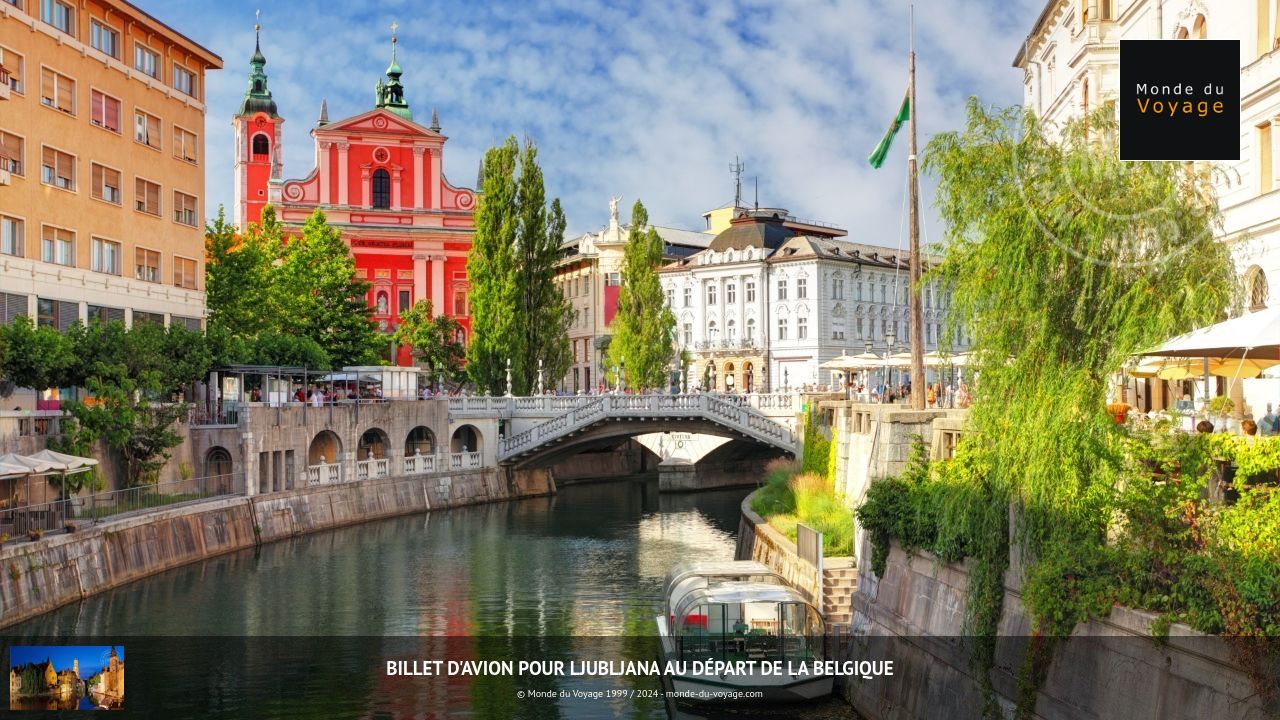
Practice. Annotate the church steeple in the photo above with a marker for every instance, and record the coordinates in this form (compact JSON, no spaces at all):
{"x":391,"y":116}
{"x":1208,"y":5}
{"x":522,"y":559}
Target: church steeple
{"x":390,"y":95}
{"x":257,"y":98}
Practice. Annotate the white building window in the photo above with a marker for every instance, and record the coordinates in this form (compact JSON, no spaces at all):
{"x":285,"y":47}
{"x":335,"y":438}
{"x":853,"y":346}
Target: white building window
{"x":104,"y":256}
{"x":751,"y":291}
{"x":802,"y":288}
{"x":688,"y":297}
{"x":802,"y":328}
{"x":782,"y":328}
{"x":730,"y":294}
{"x":782,"y":289}
{"x":711,"y":294}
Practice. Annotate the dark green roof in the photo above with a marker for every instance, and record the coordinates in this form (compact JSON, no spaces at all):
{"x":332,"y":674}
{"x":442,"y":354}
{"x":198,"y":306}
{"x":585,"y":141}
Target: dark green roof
{"x":257,"y":97}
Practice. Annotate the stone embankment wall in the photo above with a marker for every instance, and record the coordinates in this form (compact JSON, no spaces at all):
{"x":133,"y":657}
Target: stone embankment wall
{"x":757,"y":540}
{"x":1110,"y":668}
{"x":64,"y":567}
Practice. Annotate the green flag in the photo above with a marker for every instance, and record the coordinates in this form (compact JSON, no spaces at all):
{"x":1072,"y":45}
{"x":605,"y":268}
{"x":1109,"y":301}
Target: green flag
{"x":904,"y":114}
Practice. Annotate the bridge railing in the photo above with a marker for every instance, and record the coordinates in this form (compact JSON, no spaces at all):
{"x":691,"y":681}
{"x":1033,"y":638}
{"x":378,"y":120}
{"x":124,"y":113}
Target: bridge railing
{"x":734,"y":412}
{"x":550,"y":405}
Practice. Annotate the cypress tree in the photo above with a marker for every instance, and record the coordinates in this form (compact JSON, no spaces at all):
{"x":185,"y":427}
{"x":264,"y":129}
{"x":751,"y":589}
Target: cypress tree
{"x":489,"y":271}
{"x":643,"y":326}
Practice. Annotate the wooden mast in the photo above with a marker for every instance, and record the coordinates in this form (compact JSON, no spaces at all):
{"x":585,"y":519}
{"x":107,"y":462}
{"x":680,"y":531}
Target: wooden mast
{"x":917,"y":319}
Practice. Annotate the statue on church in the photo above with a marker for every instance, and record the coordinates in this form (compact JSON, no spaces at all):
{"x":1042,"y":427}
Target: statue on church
{"x":613,"y":210}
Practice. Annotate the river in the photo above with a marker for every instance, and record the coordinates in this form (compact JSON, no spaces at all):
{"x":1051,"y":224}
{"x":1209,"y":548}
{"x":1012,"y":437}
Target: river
{"x":304,"y":628}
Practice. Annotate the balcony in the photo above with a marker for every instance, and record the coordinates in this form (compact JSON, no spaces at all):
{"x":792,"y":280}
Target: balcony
{"x":739,"y":345}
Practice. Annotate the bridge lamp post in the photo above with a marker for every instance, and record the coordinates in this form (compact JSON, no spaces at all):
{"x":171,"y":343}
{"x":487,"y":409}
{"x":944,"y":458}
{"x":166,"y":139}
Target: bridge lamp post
{"x":786,"y":380}
{"x":539,"y":376}
{"x":890,"y":339}
{"x":508,"y":377}
{"x":675,"y":374}
{"x":622,"y":371}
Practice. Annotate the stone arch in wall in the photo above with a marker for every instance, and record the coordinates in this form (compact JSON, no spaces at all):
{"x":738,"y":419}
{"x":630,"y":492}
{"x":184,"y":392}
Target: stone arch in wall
{"x":325,"y":448}
{"x":374,"y":445}
{"x":466,"y":439}
{"x":420,"y":440}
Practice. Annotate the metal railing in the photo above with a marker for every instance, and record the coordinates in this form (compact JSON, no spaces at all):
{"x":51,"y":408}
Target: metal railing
{"x":95,"y":507}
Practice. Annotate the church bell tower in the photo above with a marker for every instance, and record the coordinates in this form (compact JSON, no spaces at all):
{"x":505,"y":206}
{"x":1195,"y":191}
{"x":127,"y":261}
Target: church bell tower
{"x":258,"y":135}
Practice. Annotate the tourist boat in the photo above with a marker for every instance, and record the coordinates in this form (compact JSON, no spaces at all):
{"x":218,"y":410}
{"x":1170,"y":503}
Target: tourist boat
{"x":735,"y":616}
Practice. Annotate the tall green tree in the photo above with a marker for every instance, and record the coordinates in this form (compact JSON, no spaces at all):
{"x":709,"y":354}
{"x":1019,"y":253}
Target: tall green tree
{"x":141,"y":432}
{"x":317,"y":294}
{"x":643,"y":325}
{"x":434,"y":340}
{"x":35,"y":357}
{"x":239,"y":274}
{"x":517,"y":313}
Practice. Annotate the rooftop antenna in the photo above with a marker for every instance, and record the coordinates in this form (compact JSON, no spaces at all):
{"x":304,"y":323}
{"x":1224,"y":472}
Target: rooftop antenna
{"x":736,"y":168}
{"x":757,"y":182}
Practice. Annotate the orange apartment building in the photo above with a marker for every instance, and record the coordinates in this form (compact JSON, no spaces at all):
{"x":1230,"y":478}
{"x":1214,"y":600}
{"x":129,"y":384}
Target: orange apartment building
{"x":101,"y":165}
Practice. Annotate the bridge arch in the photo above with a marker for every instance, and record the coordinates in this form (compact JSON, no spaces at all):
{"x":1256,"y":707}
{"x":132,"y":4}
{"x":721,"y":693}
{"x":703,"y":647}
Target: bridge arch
{"x":466,"y":438}
{"x":326,"y":447}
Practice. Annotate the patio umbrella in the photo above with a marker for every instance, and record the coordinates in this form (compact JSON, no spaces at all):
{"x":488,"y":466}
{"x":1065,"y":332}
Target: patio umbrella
{"x":861,"y":361}
{"x":1254,"y":335}
{"x":897,"y":360}
{"x":1240,"y":367}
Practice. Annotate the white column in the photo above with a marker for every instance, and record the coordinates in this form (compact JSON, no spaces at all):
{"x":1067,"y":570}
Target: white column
{"x":395,"y":189}
{"x":437,"y":182}
{"x":324,"y":172}
{"x":343,"y":179}
{"x":419,"y":277}
{"x":419,"y":177}
{"x":365,"y":189}
{"x":437,"y":284}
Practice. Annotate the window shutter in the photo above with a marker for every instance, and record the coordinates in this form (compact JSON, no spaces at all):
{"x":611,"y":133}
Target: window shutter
{"x":68,"y":313}
{"x":66,"y":94}
{"x":11,"y":306}
{"x":97,"y":107}
{"x":98,"y":176}
{"x":49,"y":158}
{"x":114,"y":314}
{"x":47,"y":87}
{"x":112,"y":108}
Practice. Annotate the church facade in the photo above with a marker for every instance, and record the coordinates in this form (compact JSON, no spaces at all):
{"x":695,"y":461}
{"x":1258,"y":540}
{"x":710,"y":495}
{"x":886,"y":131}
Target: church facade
{"x":379,"y":179}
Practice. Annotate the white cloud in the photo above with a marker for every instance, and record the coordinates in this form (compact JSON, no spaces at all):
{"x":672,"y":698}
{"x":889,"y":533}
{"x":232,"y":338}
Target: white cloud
{"x":650,"y":100}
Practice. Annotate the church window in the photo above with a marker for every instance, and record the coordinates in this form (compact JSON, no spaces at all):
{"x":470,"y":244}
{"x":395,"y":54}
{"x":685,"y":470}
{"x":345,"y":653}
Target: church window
{"x":381,"y":188}
{"x":261,"y":146}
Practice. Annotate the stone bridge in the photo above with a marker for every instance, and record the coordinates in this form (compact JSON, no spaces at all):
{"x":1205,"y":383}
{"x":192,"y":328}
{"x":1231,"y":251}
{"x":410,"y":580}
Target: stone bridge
{"x":581,"y":422}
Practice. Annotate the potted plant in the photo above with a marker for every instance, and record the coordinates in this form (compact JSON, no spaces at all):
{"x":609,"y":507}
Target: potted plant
{"x":1221,"y":407}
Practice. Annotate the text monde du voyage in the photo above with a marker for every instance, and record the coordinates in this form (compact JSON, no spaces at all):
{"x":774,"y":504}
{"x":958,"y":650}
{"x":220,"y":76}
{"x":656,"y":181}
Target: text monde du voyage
{"x":1177,"y":99}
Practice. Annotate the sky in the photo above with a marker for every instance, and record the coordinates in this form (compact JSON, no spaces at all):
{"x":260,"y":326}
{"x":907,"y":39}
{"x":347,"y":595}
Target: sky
{"x":92,"y":657}
{"x":648,"y":99}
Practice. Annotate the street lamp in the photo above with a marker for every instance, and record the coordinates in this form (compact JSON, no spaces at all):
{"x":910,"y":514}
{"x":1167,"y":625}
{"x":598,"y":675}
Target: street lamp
{"x":508,"y":377}
{"x":539,"y":376}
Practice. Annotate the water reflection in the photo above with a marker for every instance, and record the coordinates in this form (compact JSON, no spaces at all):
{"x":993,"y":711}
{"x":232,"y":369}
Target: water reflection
{"x":302,"y":628}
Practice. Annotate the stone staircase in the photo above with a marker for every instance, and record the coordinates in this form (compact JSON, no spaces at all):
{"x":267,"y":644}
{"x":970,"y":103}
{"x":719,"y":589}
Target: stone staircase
{"x":839,"y":580}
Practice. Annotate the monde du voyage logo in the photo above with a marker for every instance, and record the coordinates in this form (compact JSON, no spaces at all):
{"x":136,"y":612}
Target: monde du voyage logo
{"x":1179,"y":99}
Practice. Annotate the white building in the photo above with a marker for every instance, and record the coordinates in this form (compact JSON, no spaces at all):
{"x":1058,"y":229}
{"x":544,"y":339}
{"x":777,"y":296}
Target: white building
{"x":1071,"y":64}
{"x":772,"y":298}
{"x":589,"y":273}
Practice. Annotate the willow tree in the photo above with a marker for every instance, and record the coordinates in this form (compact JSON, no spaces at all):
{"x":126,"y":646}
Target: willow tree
{"x":1063,"y":262}
{"x":643,"y":324}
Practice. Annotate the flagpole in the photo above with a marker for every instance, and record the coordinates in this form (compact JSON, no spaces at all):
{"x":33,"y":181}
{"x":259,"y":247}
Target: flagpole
{"x":917,"y":320}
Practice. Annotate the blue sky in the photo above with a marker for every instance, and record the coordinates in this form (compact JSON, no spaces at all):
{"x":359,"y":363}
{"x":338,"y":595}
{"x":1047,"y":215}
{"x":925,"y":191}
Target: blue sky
{"x":92,"y":657}
{"x":645,"y":99}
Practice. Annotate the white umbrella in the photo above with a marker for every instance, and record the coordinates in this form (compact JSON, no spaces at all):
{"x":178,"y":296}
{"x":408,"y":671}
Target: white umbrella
{"x":65,"y":463}
{"x":896,"y":360}
{"x":854,"y":362}
{"x":1254,"y":335}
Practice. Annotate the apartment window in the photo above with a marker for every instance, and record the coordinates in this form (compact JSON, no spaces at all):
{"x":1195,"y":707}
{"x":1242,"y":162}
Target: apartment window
{"x":751,"y":330}
{"x":104,"y":38}
{"x":184,"y":272}
{"x":147,"y":197}
{"x":59,"y":15}
{"x":381,"y":188}
{"x":460,"y":302}
{"x":782,"y":328}
{"x":184,"y":144}
{"x":11,"y":147}
{"x":688,"y":297}
{"x":57,"y":246}
{"x":711,"y":294}
{"x":57,"y":314}
{"x":751,"y":291}
{"x":104,"y":111}
{"x":146,"y":265}
{"x":106,"y":183}
{"x":613,"y":279}
{"x":16,"y":65}
{"x":1266,"y":177}
{"x":184,"y":81}
{"x":146,"y":317}
{"x":837,"y":288}
{"x":104,"y":256}
{"x":57,"y":91}
{"x":688,"y":333}
{"x":802,"y":328}
{"x":146,"y":61}
{"x":103,"y":314}
{"x":671,"y":297}
{"x":184,"y":208}
{"x":146,"y":128}
{"x":802,"y":288}
{"x":782,"y":289}
{"x":730,"y":294}
{"x":10,"y":236}
{"x":861,"y":328}
{"x":58,"y":169}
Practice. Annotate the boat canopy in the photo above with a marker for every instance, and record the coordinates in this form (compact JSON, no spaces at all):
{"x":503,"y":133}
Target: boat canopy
{"x":694,"y":574}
